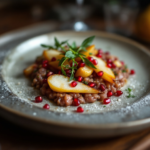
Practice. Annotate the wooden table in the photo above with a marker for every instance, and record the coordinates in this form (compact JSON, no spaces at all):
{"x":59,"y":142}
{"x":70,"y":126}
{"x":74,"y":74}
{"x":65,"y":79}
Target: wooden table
{"x":13,"y":137}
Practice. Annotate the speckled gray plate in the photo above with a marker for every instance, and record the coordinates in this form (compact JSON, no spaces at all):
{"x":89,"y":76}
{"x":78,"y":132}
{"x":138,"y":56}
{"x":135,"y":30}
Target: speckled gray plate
{"x":19,"y":49}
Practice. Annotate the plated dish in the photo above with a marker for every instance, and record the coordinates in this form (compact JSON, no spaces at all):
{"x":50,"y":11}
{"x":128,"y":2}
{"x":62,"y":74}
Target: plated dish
{"x":17,"y":96}
{"x":71,"y":75}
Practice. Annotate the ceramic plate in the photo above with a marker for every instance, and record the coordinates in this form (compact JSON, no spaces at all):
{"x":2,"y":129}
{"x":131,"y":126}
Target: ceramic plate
{"x":124,"y":115}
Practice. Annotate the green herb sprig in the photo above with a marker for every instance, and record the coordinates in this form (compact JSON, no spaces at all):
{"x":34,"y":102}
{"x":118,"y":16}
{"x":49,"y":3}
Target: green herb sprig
{"x":128,"y":90}
{"x":72,"y":53}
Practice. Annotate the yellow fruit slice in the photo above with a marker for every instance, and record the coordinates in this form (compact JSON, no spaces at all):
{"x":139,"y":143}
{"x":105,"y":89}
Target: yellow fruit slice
{"x":117,"y":63}
{"x":29,"y":70}
{"x":49,"y":54}
{"x":84,"y":71}
{"x":108,"y":75}
{"x":60,"y":83}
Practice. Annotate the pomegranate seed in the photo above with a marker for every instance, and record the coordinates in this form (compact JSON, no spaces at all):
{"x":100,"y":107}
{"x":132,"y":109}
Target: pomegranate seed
{"x":109,"y":61}
{"x":95,"y":62}
{"x":99,"y":55}
{"x":102,"y":87}
{"x":122,"y":62}
{"x":110,"y":93}
{"x":100,"y":51}
{"x":44,"y":65}
{"x":76,"y":102}
{"x":44,"y":80}
{"x":91,"y":84}
{"x":82,"y":64}
{"x":113,"y":65}
{"x":49,"y":74}
{"x":107,"y":53}
{"x":80,"y":79}
{"x":80,"y":109}
{"x":109,"y":65}
{"x":132,"y":72}
{"x":38,"y":99}
{"x":100,"y":73}
{"x":90,"y":59}
{"x":73,"y":84}
{"x":119,"y":93}
{"x":53,"y":59}
{"x":59,"y":72}
{"x":46,"y":106}
{"x":68,"y":71}
{"x":106,"y":101}
{"x":44,"y":62}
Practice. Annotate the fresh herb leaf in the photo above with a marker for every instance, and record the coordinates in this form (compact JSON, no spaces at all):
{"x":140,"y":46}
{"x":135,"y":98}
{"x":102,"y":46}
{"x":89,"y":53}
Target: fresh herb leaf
{"x":69,"y":54}
{"x":74,"y":45}
{"x":104,"y":106}
{"x":115,"y":73}
{"x":88,"y":63}
{"x":129,"y":93}
{"x":124,"y":71}
{"x":90,"y":53}
{"x":47,"y":46}
{"x":87,"y":42}
{"x":57,"y":44}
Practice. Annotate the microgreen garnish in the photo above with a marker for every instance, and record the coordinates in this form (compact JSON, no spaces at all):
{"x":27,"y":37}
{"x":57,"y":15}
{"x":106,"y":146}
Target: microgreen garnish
{"x":85,"y":82}
{"x":72,"y":53}
{"x":115,"y":73}
{"x":57,"y":45}
{"x":129,"y":93}
{"x":104,"y":106}
{"x":90,"y":53}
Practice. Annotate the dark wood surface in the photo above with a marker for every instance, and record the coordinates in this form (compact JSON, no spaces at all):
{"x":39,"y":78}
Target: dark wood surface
{"x":13,"y":137}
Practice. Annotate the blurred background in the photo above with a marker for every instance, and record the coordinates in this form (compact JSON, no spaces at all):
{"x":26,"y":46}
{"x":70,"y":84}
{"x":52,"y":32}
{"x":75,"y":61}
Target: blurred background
{"x":130,"y":18}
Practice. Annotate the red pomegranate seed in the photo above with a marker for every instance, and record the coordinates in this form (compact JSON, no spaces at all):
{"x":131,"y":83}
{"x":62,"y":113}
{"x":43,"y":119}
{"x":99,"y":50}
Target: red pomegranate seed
{"x":53,"y":59}
{"x":106,"y":101}
{"x":68,"y":71}
{"x":38,"y":99}
{"x":102,"y":87}
{"x":80,"y":109}
{"x":59,"y":72}
{"x":109,"y":61}
{"x":76,"y":102}
{"x":100,"y":51}
{"x":113,"y":65}
{"x":80,"y":79}
{"x":109,"y":65}
{"x":82,"y":64}
{"x":90,"y":59}
{"x":73,"y":84}
{"x":132,"y":72}
{"x":44,"y":80}
{"x":119,"y":93}
{"x":91,"y":84}
{"x":122,"y":62}
{"x":49,"y":74}
{"x":100,"y":73}
{"x":46,"y":106}
{"x":44,"y":65}
{"x":110,"y":93}
{"x":99,"y":55}
{"x":44,"y":62}
{"x":95,"y":62}
{"x":107,"y":53}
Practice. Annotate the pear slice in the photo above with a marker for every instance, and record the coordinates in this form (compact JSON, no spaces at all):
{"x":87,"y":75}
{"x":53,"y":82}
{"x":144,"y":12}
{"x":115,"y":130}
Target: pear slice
{"x":108,"y":75}
{"x":84,"y":71}
{"x":29,"y":70}
{"x":60,"y":83}
{"x":49,"y":54}
{"x":117,"y":63}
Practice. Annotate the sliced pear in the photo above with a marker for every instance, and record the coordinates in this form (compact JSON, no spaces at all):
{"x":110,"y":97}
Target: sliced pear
{"x":29,"y":70}
{"x":84,"y":71}
{"x":117,"y":63}
{"x":101,"y":66}
{"x":49,"y":54}
{"x":60,"y":83}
